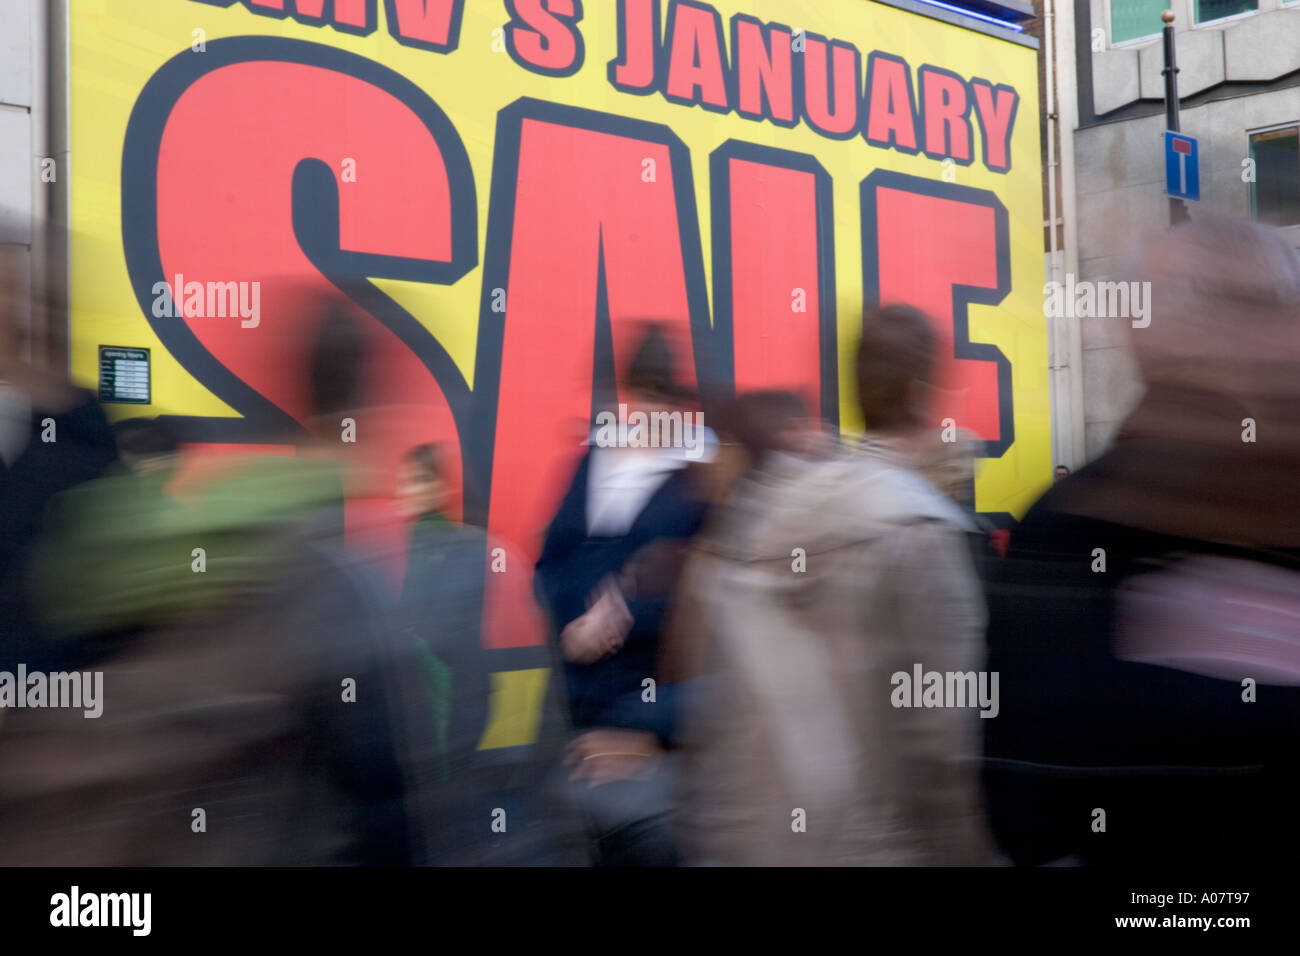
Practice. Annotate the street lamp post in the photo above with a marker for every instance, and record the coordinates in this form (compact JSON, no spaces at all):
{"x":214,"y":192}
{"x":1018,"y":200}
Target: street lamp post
{"x":1177,"y":208}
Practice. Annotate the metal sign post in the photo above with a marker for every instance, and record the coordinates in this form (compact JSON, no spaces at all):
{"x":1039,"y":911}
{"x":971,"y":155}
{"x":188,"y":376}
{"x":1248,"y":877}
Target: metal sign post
{"x":1177,"y":208}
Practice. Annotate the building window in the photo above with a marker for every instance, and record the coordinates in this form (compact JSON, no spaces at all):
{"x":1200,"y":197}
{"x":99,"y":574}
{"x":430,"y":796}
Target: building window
{"x":1275,"y":193}
{"x":1135,"y":19}
{"x":1207,"y":10}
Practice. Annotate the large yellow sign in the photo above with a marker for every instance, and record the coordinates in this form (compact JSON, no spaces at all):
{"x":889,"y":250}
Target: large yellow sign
{"x":503,"y":188}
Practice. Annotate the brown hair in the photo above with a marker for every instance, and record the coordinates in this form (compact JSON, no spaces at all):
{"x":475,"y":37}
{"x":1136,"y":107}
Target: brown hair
{"x":755,"y":419}
{"x":336,"y":359}
{"x":425,"y":457}
{"x":897,"y":350}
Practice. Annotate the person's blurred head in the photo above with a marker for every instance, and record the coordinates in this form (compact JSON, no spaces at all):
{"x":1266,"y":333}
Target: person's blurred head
{"x":1212,"y":450}
{"x":651,"y":378}
{"x":146,"y":445}
{"x":336,"y":360}
{"x":421,"y":489}
{"x":895,"y":365}
{"x":1225,"y":308}
{"x":1060,"y":472}
{"x":771,"y":421}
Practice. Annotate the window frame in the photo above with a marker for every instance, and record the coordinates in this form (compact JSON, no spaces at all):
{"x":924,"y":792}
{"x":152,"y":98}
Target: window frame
{"x":1250,"y":153}
{"x":1197,"y":23}
{"x":1135,"y":41}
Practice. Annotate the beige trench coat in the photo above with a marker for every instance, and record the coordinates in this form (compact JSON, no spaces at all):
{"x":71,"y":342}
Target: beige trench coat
{"x":815,"y":584}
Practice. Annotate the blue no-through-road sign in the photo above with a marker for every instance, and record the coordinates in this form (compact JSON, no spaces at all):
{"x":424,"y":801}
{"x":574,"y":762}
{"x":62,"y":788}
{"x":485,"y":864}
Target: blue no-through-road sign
{"x":1182,"y":176}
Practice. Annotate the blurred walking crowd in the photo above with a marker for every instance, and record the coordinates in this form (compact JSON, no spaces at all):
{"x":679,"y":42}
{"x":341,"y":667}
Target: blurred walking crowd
{"x":791,"y":648}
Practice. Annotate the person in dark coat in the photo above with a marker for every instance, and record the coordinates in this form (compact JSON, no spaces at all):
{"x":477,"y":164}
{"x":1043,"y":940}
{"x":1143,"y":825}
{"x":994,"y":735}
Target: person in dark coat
{"x":440,"y":617}
{"x":441,"y":604}
{"x":1144,"y":623}
{"x":440,"y":614}
{"x":55,"y":438}
{"x":606,"y":576}
{"x":256,"y":709}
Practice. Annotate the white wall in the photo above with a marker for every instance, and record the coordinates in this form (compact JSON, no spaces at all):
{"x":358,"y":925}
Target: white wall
{"x":1259,"y":46}
{"x":1120,"y":184}
{"x":17,"y":161}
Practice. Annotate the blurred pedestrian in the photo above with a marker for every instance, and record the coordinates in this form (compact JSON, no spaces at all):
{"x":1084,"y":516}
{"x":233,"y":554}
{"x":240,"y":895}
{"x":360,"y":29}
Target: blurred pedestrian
{"x":833,"y":574}
{"x":607,"y":575}
{"x":53,"y":437}
{"x":440,"y":613}
{"x":255,"y":707}
{"x":1145,"y":624}
{"x":441,"y":604}
{"x":146,"y":446}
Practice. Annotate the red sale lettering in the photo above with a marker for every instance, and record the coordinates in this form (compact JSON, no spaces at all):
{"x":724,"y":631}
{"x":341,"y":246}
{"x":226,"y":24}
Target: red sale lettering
{"x":543,"y":36}
{"x":633,"y":70}
{"x":592,"y":228}
{"x":773,"y":275}
{"x":696,"y":57}
{"x":586,"y":245}
{"x":352,"y":16}
{"x":289,"y":227}
{"x":830,"y":85}
{"x":891,"y":104}
{"x":427,"y":24}
{"x":995,"y":108}
{"x":779,"y":75}
{"x":770,"y":71}
{"x":961,"y":235}
{"x":764,"y":72}
{"x":945,"y":115}
{"x":349,"y":16}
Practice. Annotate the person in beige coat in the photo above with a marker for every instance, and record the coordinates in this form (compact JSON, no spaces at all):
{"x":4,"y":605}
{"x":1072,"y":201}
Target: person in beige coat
{"x":821,"y":580}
